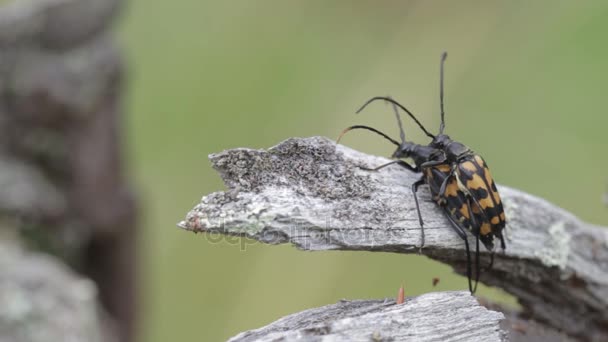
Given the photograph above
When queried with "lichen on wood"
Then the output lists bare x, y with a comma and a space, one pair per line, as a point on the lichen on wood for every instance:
315, 195
441, 316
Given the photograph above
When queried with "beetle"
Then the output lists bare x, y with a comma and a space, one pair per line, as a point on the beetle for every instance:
431, 162
459, 179
471, 174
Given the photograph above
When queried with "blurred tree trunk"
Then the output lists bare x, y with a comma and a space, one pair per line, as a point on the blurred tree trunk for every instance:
63, 185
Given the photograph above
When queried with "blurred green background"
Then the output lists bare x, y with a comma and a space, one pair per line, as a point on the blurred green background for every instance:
526, 88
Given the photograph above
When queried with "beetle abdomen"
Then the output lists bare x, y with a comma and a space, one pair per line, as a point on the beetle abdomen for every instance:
474, 176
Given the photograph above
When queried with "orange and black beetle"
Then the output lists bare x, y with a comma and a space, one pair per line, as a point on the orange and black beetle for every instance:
469, 174
459, 179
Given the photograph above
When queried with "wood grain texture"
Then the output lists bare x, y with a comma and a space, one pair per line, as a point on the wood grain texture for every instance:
440, 316
313, 194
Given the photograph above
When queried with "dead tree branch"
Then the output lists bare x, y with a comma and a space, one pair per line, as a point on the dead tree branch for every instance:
423, 318
313, 194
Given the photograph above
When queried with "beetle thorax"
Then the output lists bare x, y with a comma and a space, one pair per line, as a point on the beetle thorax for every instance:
418, 153
453, 149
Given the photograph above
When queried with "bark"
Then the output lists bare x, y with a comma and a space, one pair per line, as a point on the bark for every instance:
442, 316
313, 194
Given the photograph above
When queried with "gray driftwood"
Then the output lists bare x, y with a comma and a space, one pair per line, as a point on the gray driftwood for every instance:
423, 318
313, 194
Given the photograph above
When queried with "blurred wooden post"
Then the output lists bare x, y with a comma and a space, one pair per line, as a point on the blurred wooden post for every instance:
61, 77
313, 194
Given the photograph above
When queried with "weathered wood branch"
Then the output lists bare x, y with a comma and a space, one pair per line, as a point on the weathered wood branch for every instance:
312, 193
422, 318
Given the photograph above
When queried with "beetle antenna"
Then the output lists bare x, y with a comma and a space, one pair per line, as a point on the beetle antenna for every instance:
401, 131
388, 99
444, 55
369, 129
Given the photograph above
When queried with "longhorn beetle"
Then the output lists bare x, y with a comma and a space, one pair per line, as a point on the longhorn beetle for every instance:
459, 180
471, 174
435, 175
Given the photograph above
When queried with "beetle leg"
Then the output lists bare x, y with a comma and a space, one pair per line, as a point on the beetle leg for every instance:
398, 162
477, 267
408, 166
461, 232
432, 163
415, 186
444, 185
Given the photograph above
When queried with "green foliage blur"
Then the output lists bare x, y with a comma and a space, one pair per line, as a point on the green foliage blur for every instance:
525, 87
